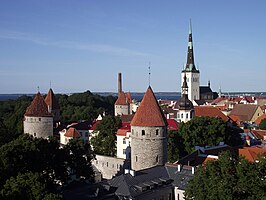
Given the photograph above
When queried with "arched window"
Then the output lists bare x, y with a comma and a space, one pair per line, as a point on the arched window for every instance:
157, 131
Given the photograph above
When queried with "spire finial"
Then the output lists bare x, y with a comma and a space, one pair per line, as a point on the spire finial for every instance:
50, 84
38, 89
149, 73
190, 26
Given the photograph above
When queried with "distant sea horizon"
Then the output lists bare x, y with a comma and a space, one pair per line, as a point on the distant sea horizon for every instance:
139, 95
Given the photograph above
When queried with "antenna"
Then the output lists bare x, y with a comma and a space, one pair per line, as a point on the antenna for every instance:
149, 73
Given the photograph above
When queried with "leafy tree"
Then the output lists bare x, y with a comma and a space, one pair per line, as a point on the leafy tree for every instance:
26, 186
262, 124
175, 146
207, 131
104, 141
228, 178
79, 156
28, 154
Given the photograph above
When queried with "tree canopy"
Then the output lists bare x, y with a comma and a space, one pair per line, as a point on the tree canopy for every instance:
208, 131
53, 164
27, 186
104, 141
175, 146
262, 124
228, 178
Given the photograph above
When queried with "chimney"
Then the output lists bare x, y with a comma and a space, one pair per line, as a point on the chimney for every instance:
179, 168
193, 170
119, 83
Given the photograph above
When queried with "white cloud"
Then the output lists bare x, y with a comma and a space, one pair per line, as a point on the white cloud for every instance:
98, 48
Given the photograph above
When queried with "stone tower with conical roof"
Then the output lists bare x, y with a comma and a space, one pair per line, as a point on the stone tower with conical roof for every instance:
53, 106
122, 104
192, 74
148, 134
37, 120
185, 106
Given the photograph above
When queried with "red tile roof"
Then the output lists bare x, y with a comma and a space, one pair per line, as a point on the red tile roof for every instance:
244, 111
126, 118
209, 111
51, 101
72, 132
38, 107
94, 124
172, 125
129, 98
260, 134
122, 132
122, 99
149, 112
252, 153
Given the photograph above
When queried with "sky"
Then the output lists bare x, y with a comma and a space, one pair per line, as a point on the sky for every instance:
82, 45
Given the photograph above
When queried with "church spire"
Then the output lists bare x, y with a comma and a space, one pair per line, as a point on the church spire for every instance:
190, 66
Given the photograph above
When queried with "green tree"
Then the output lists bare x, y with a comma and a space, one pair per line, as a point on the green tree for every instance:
228, 178
26, 186
175, 146
207, 131
78, 159
262, 124
104, 141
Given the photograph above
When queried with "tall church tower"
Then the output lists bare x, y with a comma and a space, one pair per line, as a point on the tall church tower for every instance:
185, 107
148, 134
192, 74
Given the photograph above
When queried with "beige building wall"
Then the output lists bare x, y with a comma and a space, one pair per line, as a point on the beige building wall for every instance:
40, 127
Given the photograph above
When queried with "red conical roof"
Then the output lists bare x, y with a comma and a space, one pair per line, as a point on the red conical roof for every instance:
149, 112
38, 107
51, 101
129, 98
122, 99
72, 132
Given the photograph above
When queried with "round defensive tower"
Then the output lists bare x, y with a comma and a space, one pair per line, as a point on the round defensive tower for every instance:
37, 120
122, 105
53, 106
148, 134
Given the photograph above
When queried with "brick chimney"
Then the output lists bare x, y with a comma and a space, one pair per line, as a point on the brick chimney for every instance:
119, 83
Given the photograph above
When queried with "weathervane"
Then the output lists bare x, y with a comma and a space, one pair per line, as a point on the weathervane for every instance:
149, 73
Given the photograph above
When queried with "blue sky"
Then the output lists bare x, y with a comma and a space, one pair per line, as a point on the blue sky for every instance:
82, 45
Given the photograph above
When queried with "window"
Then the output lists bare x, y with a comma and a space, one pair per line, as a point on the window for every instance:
182, 115
157, 132
132, 132
124, 141
102, 164
136, 158
157, 158
106, 164
143, 132
96, 162
34, 134
124, 151
187, 115
40, 119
